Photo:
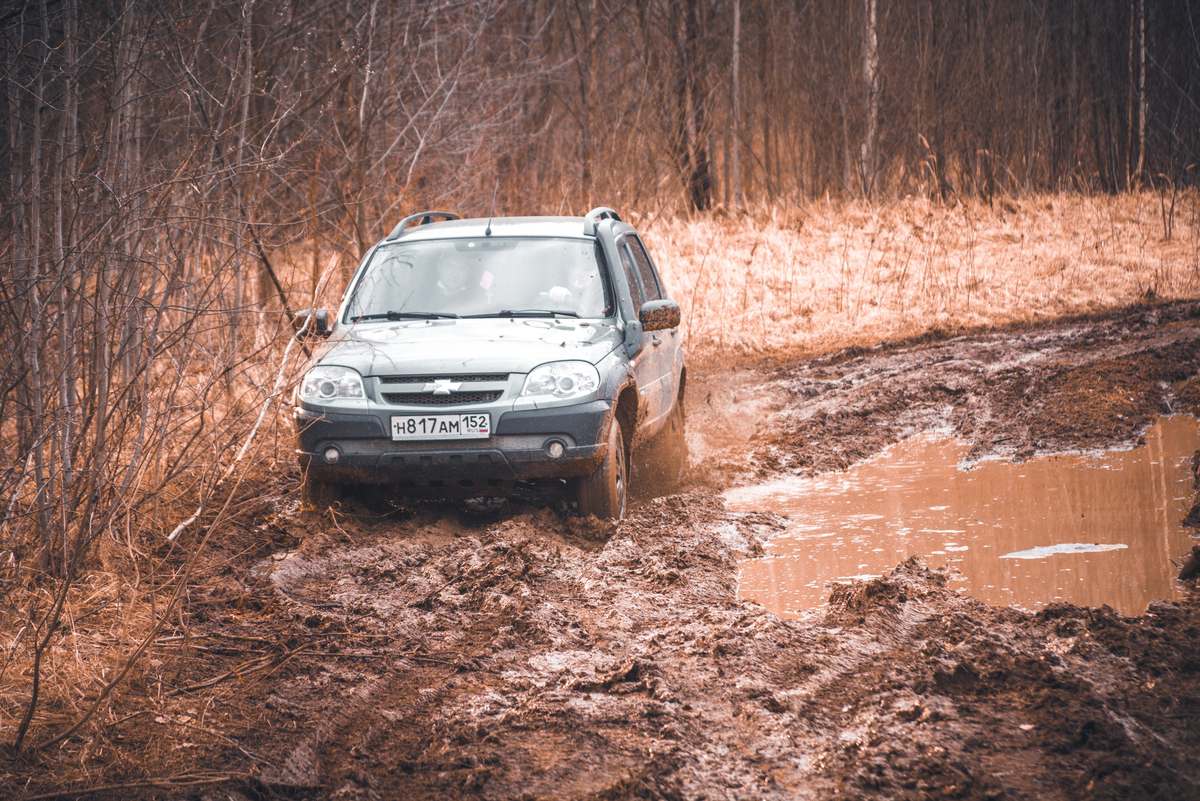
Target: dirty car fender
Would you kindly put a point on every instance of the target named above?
(618, 376)
(617, 373)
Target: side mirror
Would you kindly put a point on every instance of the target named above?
(317, 319)
(655, 315)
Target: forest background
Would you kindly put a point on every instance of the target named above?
(178, 178)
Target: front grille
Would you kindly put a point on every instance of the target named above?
(429, 379)
(453, 399)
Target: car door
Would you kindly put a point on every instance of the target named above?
(667, 342)
(654, 365)
(645, 367)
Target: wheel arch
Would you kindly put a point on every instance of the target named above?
(627, 414)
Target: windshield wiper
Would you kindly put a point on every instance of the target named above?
(535, 313)
(405, 315)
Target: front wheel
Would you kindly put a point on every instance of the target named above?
(670, 450)
(660, 464)
(603, 492)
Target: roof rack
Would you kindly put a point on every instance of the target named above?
(593, 218)
(425, 218)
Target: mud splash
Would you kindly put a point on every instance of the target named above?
(1085, 529)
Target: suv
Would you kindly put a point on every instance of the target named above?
(468, 355)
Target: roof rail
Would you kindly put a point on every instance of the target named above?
(593, 218)
(425, 217)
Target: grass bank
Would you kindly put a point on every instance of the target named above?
(835, 274)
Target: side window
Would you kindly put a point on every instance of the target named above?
(645, 269)
(630, 273)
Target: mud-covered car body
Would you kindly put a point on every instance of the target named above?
(558, 329)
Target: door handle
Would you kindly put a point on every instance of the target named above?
(656, 342)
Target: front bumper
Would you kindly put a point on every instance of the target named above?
(515, 451)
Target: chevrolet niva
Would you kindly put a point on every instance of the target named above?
(472, 354)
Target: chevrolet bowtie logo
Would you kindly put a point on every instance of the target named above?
(442, 386)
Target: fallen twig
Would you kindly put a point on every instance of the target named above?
(254, 665)
(186, 780)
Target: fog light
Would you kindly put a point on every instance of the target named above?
(332, 454)
(554, 449)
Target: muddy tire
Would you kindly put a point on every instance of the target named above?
(320, 495)
(659, 465)
(603, 493)
(671, 451)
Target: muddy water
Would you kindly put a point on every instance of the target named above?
(1086, 529)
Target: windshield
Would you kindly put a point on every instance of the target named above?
(483, 278)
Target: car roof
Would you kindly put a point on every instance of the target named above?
(571, 227)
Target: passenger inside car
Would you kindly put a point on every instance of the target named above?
(583, 293)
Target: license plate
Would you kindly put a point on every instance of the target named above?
(442, 426)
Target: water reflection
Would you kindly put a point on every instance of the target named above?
(1090, 530)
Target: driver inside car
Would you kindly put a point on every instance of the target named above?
(457, 289)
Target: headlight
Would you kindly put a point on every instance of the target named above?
(330, 383)
(562, 380)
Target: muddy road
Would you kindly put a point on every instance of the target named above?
(511, 651)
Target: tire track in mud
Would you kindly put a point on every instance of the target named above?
(301, 768)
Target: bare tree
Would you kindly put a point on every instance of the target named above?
(870, 74)
(736, 192)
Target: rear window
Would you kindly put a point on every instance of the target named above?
(482, 277)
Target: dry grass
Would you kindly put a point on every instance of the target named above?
(837, 274)
(104, 618)
(154, 727)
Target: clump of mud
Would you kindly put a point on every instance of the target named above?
(1189, 394)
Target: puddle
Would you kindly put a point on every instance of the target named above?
(1086, 529)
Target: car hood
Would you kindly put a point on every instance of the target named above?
(440, 347)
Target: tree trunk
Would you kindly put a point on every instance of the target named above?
(870, 69)
(1141, 22)
(692, 98)
(736, 199)
(1130, 97)
(36, 331)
